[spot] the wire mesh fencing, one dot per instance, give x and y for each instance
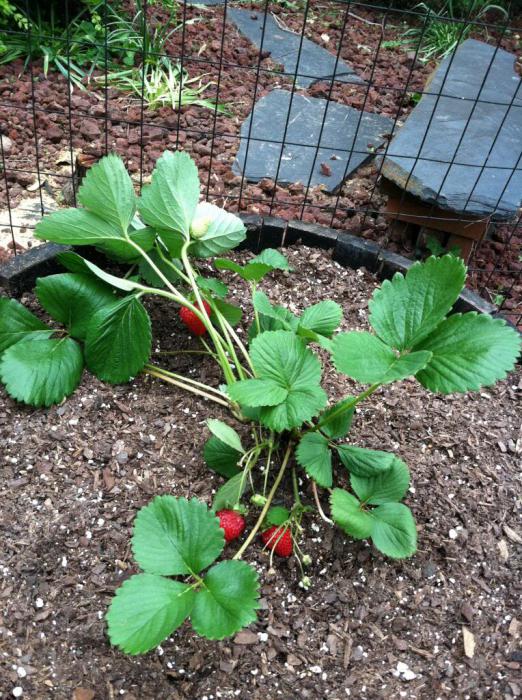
(402, 125)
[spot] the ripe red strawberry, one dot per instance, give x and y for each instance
(232, 523)
(193, 323)
(279, 539)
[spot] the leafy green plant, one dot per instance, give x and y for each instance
(271, 383)
(441, 34)
(164, 84)
(100, 36)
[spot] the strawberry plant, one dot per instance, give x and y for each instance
(271, 383)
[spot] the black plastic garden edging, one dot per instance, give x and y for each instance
(20, 273)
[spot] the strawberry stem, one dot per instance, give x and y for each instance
(269, 500)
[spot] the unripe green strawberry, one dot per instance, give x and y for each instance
(200, 226)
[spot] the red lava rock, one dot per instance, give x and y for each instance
(326, 170)
(54, 134)
(25, 179)
(90, 129)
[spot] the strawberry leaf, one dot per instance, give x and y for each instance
(176, 536)
(273, 258)
(386, 487)
(107, 191)
(468, 351)
(228, 600)
(169, 202)
(367, 359)
(118, 341)
(73, 299)
(257, 392)
(41, 372)
(17, 323)
(338, 426)
(230, 312)
(364, 462)
(231, 492)
(225, 433)
(314, 455)
(220, 457)
(394, 532)
(348, 514)
(284, 358)
(277, 515)
(145, 610)
(322, 318)
(407, 309)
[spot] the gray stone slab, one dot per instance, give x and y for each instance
(476, 124)
(350, 136)
(315, 62)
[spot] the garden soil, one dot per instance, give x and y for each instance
(43, 145)
(445, 624)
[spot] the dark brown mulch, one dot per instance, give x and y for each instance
(73, 478)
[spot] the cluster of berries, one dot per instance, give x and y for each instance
(275, 538)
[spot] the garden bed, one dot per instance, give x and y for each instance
(74, 477)
(103, 119)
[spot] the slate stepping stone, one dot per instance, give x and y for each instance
(486, 175)
(315, 63)
(348, 139)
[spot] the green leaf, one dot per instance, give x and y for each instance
(173, 241)
(220, 457)
(364, 462)
(386, 487)
(394, 532)
(82, 227)
(273, 258)
(226, 264)
(225, 231)
(367, 359)
(339, 426)
(123, 283)
(469, 351)
(230, 312)
(122, 251)
(225, 433)
(72, 299)
(228, 600)
(145, 610)
(176, 536)
(41, 372)
(231, 492)
(406, 309)
(271, 318)
(107, 191)
(17, 323)
(322, 318)
(169, 202)
(284, 358)
(314, 455)
(73, 262)
(255, 271)
(277, 515)
(213, 285)
(347, 513)
(151, 276)
(257, 392)
(118, 341)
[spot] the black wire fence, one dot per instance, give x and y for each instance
(168, 74)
